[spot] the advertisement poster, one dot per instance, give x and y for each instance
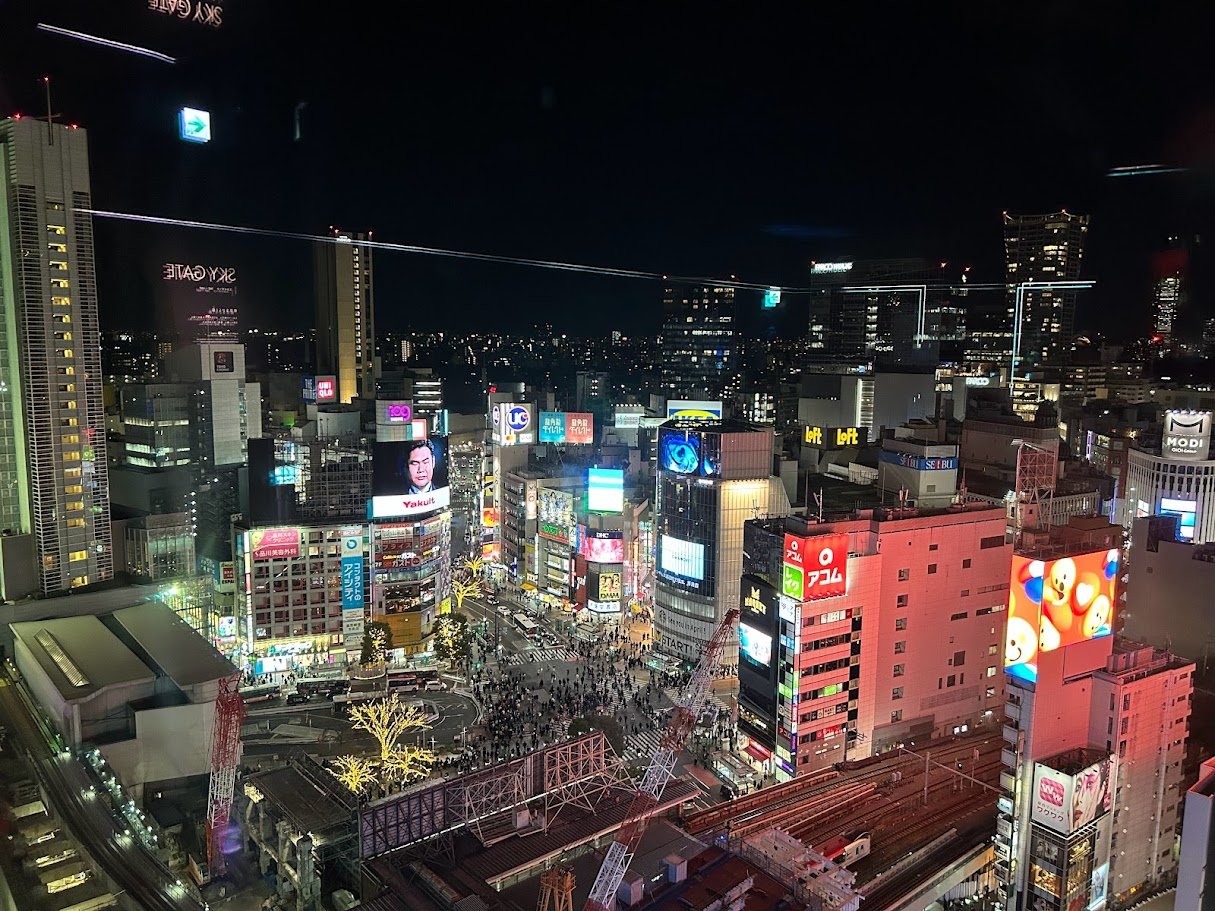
(274, 543)
(815, 568)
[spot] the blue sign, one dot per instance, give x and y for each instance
(771, 298)
(307, 390)
(517, 418)
(352, 583)
(552, 426)
(904, 460)
(194, 125)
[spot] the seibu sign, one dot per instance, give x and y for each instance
(815, 568)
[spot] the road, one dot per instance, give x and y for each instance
(89, 818)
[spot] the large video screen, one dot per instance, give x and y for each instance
(1056, 603)
(409, 477)
(605, 490)
(603, 546)
(689, 452)
(685, 559)
(754, 645)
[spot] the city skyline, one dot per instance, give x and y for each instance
(753, 170)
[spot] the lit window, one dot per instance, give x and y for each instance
(75, 523)
(73, 456)
(57, 229)
(58, 265)
(60, 283)
(78, 555)
(60, 300)
(76, 489)
(57, 247)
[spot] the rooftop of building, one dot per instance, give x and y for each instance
(80, 656)
(171, 645)
(1205, 785)
(306, 796)
(1131, 660)
(1074, 761)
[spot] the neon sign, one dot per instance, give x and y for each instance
(210, 14)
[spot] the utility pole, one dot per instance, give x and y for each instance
(926, 756)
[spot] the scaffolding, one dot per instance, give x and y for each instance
(225, 755)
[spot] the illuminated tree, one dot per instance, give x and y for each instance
(466, 588)
(387, 720)
(451, 642)
(355, 772)
(473, 565)
(377, 642)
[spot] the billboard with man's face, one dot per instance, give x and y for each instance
(409, 477)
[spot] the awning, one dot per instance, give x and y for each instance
(755, 751)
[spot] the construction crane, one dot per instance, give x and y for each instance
(620, 852)
(225, 754)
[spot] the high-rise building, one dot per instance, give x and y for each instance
(53, 476)
(345, 314)
(712, 476)
(1042, 248)
(1095, 731)
(1168, 296)
(698, 357)
(1196, 875)
(886, 631)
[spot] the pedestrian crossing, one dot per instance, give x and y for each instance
(542, 655)
(641, 746)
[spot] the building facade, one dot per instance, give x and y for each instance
(53, 466)
(345, 314)
(698, 342)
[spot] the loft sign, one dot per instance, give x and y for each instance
(211, 14)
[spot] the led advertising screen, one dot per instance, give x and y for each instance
(1056, 603)
(605, 490)
(609, 586)
(409, 477)
(1186, 512)
(690, 452)
(567, 427)
(685, 559)
(815, 568)
(687, 410)
(754, 645)
(603, 546)
(1187, 436)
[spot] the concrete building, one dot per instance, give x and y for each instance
(345, 314)
(927, 472)
(1196, 876)
(53, 466)
(903, 647)
(138, 683)
(1162, 483)
(1095, 730)
(1168, 594)
(224, 409)
(711, 478)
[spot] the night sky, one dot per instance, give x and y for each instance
(679, 142)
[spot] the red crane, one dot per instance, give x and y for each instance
(225, 756)
(620, 852)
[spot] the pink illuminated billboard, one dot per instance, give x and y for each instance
(271, 543)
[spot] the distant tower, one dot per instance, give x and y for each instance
(698, 358)
(1168, 296)
(345, 314)
(1044, 248)
(54, 484)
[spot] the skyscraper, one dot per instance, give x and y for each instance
(697, 341)
(54, 485)
(1168, 296)
(1043, 248)
(345, 314)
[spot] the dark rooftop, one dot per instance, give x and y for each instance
(82, 645)
(176, 649)
(1074, 761)
(304, 802)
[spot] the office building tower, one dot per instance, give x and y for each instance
(1168, 297)
(345, 314)
(54, 485)
(1095, 731)
(223, 409)
(712, 476)
(698, 356)
(886, 631)
(1196, 875)
(1042, 249)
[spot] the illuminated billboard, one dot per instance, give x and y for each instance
(1186, 512)
(326, 389)
(512, 424)
(683, 559)
(754, 646)
(396, 412)
(834, 437)
(690, 452)
(194, 125)
(1187, 436)
(567, 427)
(1065, 802)
(772, 298)
(274, 543)
(1056, 603)
(605, 490)
(609, 586)
(603, 546)
(815, 567)
(409, 477)
(555, 507)
(688, 410)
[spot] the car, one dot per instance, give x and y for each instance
(298, 698)
(432, 685)
(491, 598)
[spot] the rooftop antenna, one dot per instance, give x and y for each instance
(50, 134)
(818, 501)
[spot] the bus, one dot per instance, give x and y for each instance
(343, 701)
(313, 686)
(262, 693)
(526, 623)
